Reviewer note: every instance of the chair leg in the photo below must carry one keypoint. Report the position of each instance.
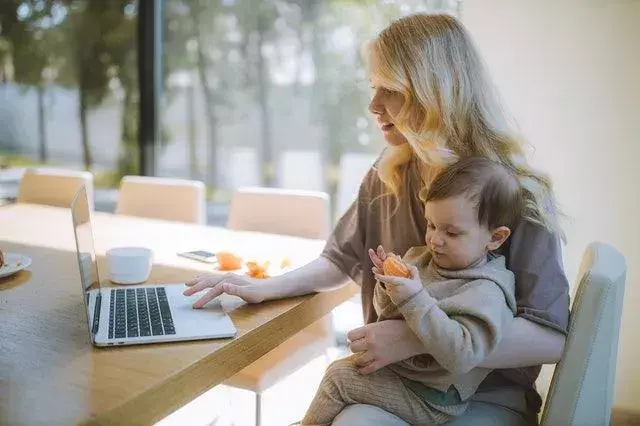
(258, 409)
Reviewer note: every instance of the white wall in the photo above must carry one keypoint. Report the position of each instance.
(569, 72)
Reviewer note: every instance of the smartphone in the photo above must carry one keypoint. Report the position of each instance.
(199, 255)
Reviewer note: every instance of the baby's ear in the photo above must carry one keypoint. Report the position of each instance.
(498, 237)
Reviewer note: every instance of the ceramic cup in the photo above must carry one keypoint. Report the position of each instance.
(129, 265)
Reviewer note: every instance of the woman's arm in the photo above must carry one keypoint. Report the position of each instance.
(524, 344)
(318, 275)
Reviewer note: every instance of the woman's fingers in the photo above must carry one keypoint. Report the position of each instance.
(359, 345)
(381, 253)
(370, 368)
(364, 359)
(211, 294)
(357, 333)
(202, 282)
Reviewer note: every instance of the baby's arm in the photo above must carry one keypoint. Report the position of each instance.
(384, 306)
(470, 328)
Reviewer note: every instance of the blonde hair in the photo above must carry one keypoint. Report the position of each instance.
(451, 109)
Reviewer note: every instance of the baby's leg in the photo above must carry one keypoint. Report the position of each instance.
(343, 385)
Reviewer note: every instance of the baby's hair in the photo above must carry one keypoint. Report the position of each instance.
(494, 190)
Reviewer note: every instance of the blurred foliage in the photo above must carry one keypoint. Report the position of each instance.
(234, 53)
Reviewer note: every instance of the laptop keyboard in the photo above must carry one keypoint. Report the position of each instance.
(139, 312)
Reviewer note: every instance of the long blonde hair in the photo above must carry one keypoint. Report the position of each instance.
(451, 109)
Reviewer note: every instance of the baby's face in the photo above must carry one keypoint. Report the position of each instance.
(454, 236)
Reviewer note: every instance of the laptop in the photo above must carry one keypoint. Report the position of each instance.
(138, 314)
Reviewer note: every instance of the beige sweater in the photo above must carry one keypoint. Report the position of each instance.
(459, 316)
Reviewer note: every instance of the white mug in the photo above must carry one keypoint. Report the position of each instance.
(129, 265)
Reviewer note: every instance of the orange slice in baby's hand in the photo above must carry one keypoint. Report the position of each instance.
(395, 267)
(257, 271)
(228, 261)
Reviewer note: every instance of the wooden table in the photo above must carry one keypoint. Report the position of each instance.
(50, 373)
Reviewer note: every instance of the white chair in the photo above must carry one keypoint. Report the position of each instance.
(53, 187)
(581, 391)
(162, 198)
(286, 212)
(280, 211)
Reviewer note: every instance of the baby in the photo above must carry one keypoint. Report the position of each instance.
(456, 295)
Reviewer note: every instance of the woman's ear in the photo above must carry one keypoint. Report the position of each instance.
(498, 237)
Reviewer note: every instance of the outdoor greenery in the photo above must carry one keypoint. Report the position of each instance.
(234, 54)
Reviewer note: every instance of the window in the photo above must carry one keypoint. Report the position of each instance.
(253, 92)
(272, 93)
(69, 86)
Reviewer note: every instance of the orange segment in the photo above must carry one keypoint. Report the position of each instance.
(256, 270)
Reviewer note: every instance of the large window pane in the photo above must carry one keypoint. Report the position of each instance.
(272, 92)
(68, 86)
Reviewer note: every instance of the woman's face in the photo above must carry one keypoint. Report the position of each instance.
(385, 105)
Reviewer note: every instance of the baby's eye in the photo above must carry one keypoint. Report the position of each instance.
(430, 226)
(452, 234)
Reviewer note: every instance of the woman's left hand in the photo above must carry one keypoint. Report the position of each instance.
(382, 343)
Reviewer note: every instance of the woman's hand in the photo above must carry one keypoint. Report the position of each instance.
(250, 290)
(383, 343)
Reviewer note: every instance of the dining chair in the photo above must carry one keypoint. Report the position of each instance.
(178, 200)
(53, 187)
(280, 211)
(286, 212)
(581, 390)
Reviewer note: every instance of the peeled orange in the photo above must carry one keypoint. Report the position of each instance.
(394, 266)
(228, 261)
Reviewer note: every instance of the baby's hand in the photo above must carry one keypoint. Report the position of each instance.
(377, 257)
(400, 288)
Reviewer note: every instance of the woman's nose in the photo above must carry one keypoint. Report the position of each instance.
(375, 107)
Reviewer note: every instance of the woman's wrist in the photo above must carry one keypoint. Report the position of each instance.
(277, 288)
(317, 275)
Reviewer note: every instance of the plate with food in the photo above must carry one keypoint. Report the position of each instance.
(10, 263)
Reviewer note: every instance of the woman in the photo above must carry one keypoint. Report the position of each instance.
(434, 104)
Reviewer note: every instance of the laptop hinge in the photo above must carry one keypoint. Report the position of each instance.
(96, 313)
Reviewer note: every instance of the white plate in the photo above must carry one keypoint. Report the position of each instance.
(14, 262)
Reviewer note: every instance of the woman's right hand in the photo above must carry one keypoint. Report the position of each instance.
(251, 290)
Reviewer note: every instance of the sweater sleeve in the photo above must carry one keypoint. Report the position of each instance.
(461, 330)
(384, 306)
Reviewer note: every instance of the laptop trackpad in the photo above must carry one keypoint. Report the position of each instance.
(211, 318)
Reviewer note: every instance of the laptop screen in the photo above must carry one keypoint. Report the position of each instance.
(89, 277)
